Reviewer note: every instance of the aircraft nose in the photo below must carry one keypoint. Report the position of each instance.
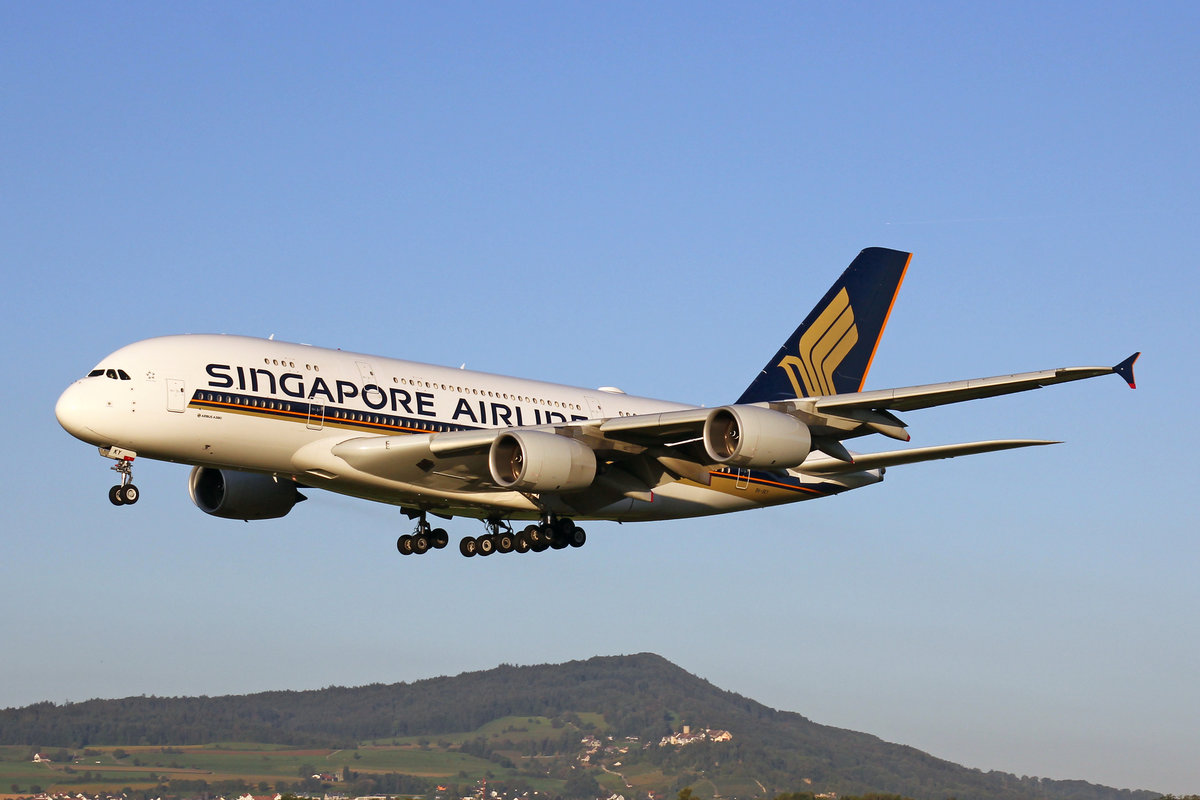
(71, 410)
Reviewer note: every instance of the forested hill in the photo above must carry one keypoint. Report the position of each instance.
(640, 695)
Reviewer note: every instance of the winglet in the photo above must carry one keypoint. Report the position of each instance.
(1125, 369)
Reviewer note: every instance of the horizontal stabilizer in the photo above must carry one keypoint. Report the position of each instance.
(1125, 369)
(865, 461)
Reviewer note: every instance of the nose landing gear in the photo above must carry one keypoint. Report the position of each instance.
(124, 493)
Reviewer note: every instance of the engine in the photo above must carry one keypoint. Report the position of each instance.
(231, 494)
(752, 436)
(534, 461)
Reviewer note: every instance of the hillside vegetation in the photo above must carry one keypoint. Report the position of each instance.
(523, 727)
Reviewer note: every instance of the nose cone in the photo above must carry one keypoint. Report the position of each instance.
(71, 410)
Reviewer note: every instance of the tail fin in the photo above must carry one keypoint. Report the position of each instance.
(831, 351)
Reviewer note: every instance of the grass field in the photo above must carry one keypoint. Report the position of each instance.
(113, 768)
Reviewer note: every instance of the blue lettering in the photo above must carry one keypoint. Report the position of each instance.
(368, 389)
(254, 373)
(401, 399)
(218, 381)
(464, 408)
(425, 404)
(291, 376)
(346, 389)
(319, 387)
(501, 413)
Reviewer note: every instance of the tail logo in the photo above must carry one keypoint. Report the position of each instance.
(821, 348)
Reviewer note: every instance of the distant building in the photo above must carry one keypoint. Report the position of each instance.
(686, 737)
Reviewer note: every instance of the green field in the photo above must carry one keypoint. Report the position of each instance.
(437, 760)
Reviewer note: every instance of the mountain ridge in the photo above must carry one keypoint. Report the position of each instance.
(641, 695)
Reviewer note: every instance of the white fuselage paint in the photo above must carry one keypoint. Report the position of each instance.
(329, 394)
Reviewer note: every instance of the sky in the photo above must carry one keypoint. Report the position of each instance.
(648, 196)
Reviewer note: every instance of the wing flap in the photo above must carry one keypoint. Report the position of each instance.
(892, 458)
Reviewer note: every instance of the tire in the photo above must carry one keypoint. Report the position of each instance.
(577, 538)
(129, 494)
(114, 496)
(487, 545)
(420, 544)
(522, 543)
(505, 543)
(468, 546)
(405, 545)
(439, 538)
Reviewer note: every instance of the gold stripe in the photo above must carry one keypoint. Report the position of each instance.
(822, 348)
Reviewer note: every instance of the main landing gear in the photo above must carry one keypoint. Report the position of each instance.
(124, 493)
(423, 539)
(553, 533)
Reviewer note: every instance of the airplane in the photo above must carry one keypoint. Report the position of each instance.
(260, 419)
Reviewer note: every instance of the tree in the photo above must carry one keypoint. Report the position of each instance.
(582, 784)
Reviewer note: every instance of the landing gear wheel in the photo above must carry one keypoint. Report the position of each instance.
(438, 538)
(561, 533)
(522, 543)
(405, 545)
(129, 494)
(114, 496)
(468, 546)
(505, 543)
(487, 545)
(577, 538)
(420, 544)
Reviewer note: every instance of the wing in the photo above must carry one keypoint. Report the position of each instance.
(594, 462)
(842, 416)
(824, 465)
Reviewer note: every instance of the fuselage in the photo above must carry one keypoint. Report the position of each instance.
(266, 406)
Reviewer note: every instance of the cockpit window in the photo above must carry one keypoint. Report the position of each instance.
(113, 374)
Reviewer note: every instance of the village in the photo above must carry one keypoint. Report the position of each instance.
(603, 753)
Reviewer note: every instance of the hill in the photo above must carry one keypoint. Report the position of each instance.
(636, 700)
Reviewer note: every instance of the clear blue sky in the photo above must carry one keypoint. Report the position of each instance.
(649, 196)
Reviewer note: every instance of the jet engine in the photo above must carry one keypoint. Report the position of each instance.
(231, 494)
(756, 437)
(535, 461)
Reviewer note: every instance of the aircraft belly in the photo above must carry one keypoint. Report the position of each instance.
(407, 484)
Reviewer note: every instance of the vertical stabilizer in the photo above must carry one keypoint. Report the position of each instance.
(831, 351)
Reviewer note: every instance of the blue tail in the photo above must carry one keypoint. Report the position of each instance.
(831, 351)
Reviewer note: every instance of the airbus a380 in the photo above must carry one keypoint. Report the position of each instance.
(260, 419)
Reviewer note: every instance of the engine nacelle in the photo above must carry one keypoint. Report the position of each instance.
(534, 461)
(231, 494)
(756, 437)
